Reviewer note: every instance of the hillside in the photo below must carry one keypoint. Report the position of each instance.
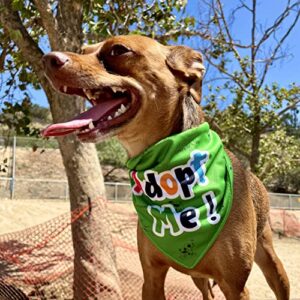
(40, 173)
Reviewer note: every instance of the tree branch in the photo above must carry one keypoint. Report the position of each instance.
(228, 74)
(69, 19)
(231, 42)
(187, 33)
(269, 31)
(11, 21)
(291, 106)
(246, 6)
(106, 175)
(253, 48)
(266, 127)
(279, 44)
(3, 54)
(49, 22)
(213, 79)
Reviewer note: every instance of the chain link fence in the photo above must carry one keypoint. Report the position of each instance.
(27, 188)
(32, 168)
(285, 201)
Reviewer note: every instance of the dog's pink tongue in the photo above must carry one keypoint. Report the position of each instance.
(82, 120)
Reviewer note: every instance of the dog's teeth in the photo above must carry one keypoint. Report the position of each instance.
(120, 111)
(88, 93)
(65, 88)
(123, 108)
(118, 89)
(109, 118)
(121, 90)
(91, 125)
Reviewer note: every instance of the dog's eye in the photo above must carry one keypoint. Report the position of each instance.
(118, 50)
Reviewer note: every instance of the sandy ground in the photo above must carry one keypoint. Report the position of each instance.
(20, 214)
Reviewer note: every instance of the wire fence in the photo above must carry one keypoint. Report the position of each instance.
(33, 169)
(28, 188)
(285, 201)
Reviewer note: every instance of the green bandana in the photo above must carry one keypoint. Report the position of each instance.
(182, 192)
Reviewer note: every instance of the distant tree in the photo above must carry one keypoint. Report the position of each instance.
(254, 120)
(287, 182)
(17, 118)
(291, 121)
(284, 177)
(39, 114)
(112, 153)
(14, 118)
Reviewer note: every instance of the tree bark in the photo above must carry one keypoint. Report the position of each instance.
(254, 156)
(95, 273)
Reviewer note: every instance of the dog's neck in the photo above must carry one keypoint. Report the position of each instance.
(187, 115)
(192, 114)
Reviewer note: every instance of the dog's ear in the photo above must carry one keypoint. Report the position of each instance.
(187, 64)
(87, 49)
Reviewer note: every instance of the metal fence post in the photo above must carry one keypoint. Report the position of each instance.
(116, 192)
(66, 191)
(13, 173)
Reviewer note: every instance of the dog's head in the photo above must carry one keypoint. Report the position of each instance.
(140, 90)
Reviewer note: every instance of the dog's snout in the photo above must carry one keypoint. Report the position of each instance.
(55, 60)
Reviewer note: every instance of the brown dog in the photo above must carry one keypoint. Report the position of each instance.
(142, 92)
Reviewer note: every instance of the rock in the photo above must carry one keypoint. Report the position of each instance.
(285, 222)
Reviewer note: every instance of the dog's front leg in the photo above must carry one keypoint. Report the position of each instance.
(154, 280)
(154, 269)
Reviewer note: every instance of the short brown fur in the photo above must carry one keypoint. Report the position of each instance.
(169, 80)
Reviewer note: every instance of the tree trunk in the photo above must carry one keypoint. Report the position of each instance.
(94, 262)
(254, 157)
(256, 130)
(95, 273)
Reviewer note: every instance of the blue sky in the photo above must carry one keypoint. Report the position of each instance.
(284, 72)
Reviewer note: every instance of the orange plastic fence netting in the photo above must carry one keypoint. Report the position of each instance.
(37, 263)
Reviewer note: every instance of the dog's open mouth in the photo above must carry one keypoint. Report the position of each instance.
(112, 107)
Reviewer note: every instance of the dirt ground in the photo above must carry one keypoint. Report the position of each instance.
(20, 214)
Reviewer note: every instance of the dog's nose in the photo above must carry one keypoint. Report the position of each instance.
(55, 60)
